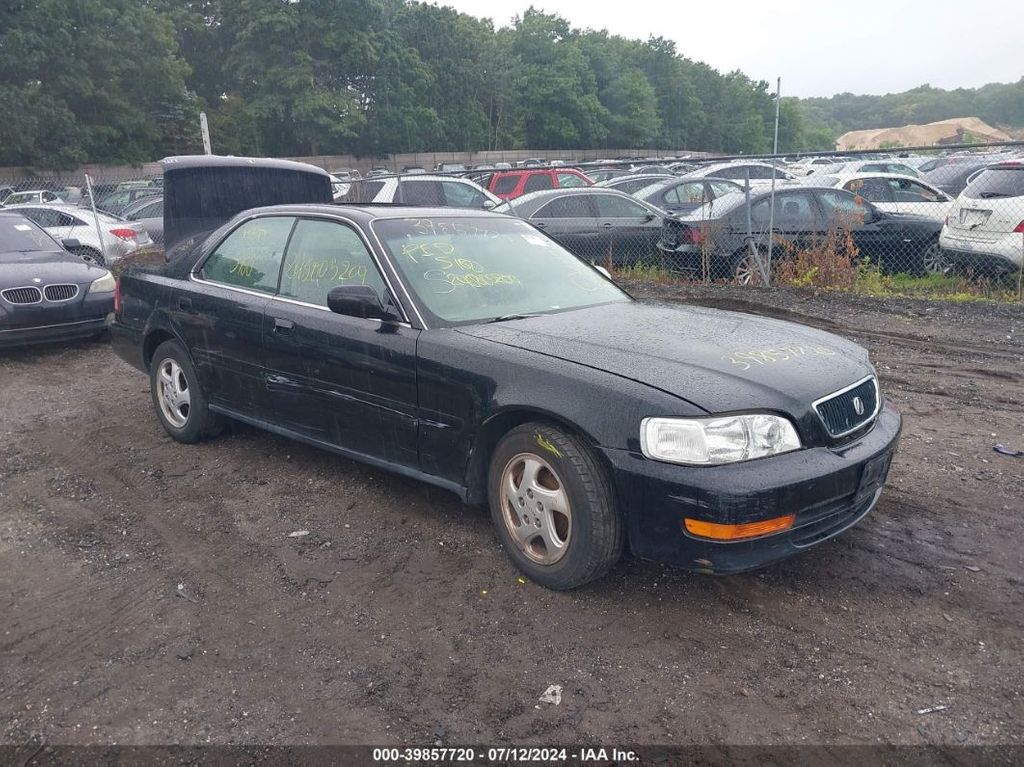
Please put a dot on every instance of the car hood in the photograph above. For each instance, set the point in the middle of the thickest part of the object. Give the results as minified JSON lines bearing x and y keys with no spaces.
{"x":717,"y":360}
{"x":19,"y":269}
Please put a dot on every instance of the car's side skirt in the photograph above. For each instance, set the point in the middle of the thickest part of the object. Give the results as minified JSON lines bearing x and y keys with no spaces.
{"x":405,"y":471}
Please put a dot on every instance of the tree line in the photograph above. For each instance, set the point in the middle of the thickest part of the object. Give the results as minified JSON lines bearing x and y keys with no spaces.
{"x":123,"y":81}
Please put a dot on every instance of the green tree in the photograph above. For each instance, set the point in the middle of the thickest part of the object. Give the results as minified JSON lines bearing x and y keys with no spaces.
{"x":97,"y":80}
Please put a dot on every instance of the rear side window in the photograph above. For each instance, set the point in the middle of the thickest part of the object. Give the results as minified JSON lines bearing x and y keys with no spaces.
{"x":153,"y":210}
{"x":362,"y":191}
{"x":250,"y":257}
{"x":993,"y":183}
{"x":871,"y":189}
{"x":538,"y":181}
{"x":568,"y":180}
{"x":421,"y":193}
{"x":788,"y":207}
{"x":691,"y":193}
{"x":506,"y":184}
{"x":459,"y":194}
{"x":572,"y":206}
{"x":613,"y":206}
{"x":323,"y":255}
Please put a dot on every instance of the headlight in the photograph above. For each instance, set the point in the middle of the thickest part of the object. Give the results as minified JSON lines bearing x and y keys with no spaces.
{"x":104,"y":284}
{"x":717,"y":440}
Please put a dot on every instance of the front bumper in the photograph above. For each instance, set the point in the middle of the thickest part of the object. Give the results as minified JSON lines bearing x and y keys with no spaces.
{"x":21,"y":325}
{"x":828,"y":489}
{"x":64,"y":331}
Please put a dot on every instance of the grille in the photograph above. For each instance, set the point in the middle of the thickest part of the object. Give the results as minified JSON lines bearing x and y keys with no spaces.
{"x":849,"y":409}
{"x":22,"y":295}
{"x":60,"y":292}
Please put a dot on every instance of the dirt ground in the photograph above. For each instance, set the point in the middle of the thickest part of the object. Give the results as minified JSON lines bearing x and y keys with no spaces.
{"x":398,"y":620}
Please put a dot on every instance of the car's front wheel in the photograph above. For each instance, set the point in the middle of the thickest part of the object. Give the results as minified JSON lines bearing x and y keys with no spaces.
{"x":178,"y":398}
{"x":553,"y":507}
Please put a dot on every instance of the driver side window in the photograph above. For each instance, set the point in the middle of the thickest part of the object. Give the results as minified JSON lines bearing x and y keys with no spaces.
{"x":323,"y":255}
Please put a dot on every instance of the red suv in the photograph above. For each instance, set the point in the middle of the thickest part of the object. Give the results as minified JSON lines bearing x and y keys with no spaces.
{"x":512,"y":183}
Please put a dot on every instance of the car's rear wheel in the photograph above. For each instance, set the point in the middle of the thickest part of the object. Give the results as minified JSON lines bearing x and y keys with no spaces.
{"x":178,"y":398}
{"x":746,"y":270}
{"x":90,"y":256}
{"x":934,"y":260}
{"x":553,"y":507}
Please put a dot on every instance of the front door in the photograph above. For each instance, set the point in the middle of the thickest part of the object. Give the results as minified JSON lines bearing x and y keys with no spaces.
{"x":220,"y":318}
{"x":345,"y":381}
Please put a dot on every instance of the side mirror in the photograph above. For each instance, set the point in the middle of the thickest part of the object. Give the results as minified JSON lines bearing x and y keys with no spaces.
{"x":489,"y":204}
{"x":603,"y":271}
{"x":359,"y":301}
{"x":70,"y":244}
{"x":650,"y":217}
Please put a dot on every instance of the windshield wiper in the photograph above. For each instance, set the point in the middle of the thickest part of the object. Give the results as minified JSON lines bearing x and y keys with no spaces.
{"x":990,"y":195}
{"x":507,"y":317}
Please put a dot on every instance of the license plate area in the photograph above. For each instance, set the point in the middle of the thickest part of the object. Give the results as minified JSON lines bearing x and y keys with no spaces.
{"x":875,"y":472}
{"x":971,"y":217}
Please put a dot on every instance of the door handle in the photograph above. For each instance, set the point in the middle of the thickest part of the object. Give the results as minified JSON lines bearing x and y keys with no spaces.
{"x":540,"y":225}
{"x":184,"y":304}
{"x":607,"y":225}
{"x":283,"y":326}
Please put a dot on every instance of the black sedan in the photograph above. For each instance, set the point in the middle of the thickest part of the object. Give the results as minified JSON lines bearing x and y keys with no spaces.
{"x":803,"y":218}
{"x":47,"y":293}
{"x":468,"y":350}
{"x":600,"y":225}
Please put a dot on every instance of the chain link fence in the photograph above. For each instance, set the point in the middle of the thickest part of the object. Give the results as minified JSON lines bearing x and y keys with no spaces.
{"x":934,"y":223}
{"x":122,"y":215}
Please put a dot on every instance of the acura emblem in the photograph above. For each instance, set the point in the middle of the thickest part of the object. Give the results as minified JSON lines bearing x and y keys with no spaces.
{"x":858,"y":406}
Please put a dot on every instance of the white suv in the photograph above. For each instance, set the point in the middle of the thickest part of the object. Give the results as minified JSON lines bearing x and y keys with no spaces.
{"x":985,"y":226}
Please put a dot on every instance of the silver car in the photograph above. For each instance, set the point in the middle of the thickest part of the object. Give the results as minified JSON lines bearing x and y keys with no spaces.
{"x":68,"y":222}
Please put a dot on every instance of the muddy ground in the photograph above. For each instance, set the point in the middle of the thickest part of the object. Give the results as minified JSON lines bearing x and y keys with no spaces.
{"x":397,"y":619}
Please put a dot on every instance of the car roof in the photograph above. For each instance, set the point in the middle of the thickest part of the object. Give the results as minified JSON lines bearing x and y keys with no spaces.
{"x":532,"y":201}
{"x":367,"y":212}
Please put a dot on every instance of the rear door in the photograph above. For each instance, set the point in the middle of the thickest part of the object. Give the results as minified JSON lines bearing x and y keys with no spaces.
{"x":797,"y":223}
{"x":883,"y":241}
{"x":345,"y":381}
{"x":632,"y":229}
{"x":220,"y":316}
{"x":571,"y":220}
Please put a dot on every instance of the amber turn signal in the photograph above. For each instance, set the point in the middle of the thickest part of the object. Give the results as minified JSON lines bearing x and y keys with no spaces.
{"x":720,"y":532}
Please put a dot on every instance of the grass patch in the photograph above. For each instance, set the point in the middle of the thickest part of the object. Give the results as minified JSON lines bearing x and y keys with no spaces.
{"x":948,"y":287}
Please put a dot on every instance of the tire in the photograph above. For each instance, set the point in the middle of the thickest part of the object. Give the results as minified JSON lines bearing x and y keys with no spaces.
{"x":182,"y":408}
{"x":91,"y":256}
{"x":744,"y":269}
{"x":933,"y":260}
{"x":565,"y":529}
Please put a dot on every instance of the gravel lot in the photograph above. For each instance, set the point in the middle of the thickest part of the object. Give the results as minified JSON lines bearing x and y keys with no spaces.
{"x":397,"y":619}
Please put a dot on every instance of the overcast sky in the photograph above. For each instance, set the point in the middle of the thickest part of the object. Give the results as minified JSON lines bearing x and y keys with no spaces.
{"x":818,"y":48}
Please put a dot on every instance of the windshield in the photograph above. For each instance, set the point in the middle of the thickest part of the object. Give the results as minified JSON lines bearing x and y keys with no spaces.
{"x":464,"y":270}
{"x":19,"y":235}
